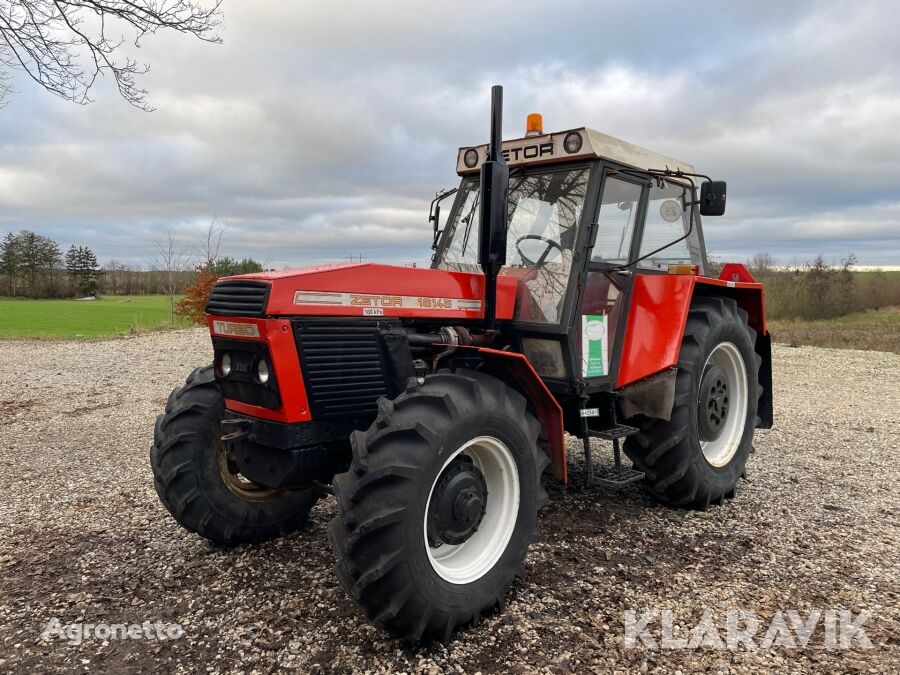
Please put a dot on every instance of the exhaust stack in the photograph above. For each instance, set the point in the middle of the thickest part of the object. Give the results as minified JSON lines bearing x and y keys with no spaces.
{"x":494,"y":198}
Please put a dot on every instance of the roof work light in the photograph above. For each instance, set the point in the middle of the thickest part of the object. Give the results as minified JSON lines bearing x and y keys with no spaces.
{"x":534,"y":125}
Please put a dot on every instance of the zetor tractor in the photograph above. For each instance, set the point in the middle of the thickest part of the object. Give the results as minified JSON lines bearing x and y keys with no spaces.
{"x":567,"y":294}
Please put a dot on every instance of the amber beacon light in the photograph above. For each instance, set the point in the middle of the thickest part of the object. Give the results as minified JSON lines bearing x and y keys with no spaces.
{"x":534,"y":125}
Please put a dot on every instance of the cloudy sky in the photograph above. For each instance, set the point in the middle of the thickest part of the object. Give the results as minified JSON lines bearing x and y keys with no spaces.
{"x":321,"y":130}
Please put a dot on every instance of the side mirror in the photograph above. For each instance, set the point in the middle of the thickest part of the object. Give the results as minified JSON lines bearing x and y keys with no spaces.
{"x":712,"y":198}
{"x":434,"y":214}
{"x":435,"y":218}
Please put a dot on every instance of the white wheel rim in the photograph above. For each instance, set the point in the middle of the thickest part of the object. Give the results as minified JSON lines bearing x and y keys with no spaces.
{"x":720,"y":451}
{"x":475,"y":557}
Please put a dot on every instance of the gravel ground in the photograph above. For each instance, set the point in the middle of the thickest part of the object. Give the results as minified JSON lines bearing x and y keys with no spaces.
{"x":83,"y":538}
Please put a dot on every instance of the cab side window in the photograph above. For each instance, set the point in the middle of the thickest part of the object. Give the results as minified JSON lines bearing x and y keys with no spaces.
{"x":667,"y":220}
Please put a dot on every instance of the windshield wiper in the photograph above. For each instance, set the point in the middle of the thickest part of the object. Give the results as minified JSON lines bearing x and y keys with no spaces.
{"x":468,"y":221}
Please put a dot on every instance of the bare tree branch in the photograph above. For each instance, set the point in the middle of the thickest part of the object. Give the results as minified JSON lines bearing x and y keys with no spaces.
{"x":49,"y":39}
{"x":170,"y":259}
{"x":212,"y":242}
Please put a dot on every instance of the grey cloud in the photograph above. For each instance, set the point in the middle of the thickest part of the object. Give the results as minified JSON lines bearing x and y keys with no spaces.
{"x":320,"y":131}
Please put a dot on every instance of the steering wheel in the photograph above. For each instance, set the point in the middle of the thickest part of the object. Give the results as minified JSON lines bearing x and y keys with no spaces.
{"x":551,"y":244}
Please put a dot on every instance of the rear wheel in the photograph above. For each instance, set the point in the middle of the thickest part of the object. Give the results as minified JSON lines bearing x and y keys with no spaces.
{"x":202,"y":490}
{"x":697,"y":456}
{"x":439,"y":506}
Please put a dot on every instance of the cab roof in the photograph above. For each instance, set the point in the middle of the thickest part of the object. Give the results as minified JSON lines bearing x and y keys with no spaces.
{"x":565,"y":146}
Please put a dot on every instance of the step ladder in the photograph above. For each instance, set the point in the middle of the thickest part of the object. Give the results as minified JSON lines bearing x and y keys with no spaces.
{"x":617,"y":476}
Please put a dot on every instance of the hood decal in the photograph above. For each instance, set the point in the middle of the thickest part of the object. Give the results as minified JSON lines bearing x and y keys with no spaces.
{"x":364,"y":300}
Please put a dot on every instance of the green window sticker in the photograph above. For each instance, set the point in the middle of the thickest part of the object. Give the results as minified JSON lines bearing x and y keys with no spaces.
{"x":594,"y":345}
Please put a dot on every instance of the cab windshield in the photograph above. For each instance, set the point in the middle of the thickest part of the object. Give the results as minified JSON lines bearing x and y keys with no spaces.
{"x":544,"y":211}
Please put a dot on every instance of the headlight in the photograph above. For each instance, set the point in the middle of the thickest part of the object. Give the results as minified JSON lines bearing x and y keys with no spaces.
{"x":572,"y":142}
{"x":224,"y":365}
{"x":470,"y":158}
{"x":262,"y":371}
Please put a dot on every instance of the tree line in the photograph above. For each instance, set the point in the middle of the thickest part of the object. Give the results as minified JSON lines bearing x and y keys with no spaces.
{"x":35,"y":266}
{"x":822,"y":290}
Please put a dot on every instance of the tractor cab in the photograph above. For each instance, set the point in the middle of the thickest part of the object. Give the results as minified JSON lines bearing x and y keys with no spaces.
{"x":586,"y":213}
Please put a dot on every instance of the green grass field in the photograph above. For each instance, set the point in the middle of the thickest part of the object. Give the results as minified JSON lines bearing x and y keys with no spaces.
{"x":105,"y":317}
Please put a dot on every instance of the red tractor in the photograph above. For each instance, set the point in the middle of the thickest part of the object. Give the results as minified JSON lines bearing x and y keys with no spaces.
{"x":567,"y":294}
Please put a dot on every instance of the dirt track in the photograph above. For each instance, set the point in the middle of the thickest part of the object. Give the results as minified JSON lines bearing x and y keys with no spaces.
{"x":83,"y":538}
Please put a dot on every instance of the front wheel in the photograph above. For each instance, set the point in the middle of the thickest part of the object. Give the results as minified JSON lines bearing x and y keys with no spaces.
{"x":198,"y":485}
{"x":439,"y":506}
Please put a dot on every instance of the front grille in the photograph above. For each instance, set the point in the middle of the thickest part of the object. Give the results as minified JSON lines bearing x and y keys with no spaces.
{"x":343,"y":366}
{"x":238,"y":298}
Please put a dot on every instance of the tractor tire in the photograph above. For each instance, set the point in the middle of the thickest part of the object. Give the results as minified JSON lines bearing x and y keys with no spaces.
{"x":193,"y":479}
{"x":697,"y":456}
{"x":439,"y":506}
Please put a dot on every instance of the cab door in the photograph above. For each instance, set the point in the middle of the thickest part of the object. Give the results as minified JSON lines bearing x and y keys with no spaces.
{"x":600,"y":320}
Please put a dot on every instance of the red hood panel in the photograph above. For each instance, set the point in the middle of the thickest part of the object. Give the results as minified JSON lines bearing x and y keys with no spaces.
{"x":371,"y":289}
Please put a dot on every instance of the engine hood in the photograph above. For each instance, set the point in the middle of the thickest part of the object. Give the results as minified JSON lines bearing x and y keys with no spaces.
{"x":372,"y":289}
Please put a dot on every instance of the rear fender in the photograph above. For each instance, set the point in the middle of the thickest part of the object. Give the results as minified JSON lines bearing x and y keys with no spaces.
{"x":752,"y":300}
{"x":516,"y":370}
{"x":658,"y":313}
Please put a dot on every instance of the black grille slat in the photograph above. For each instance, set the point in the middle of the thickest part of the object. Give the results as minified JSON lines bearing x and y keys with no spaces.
{"x":333,"y":360}
{"x":341,"y":388}
{"x":357,"y":373}
{"x":327,"y":355}
{"x":346,"y":349}
{"x":238,"y":291}
{"x":347,"y":326}
{"x":363,"y":393}
{"x":242,"y":306}
{"x":257,"y":302}
{"x":329,"y":345}
{"x":355,"y":341}
{"x":238,"y":297}
{"x":325,"y":377}
{"x":343,"y":366}
{"x":337,"y":392}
